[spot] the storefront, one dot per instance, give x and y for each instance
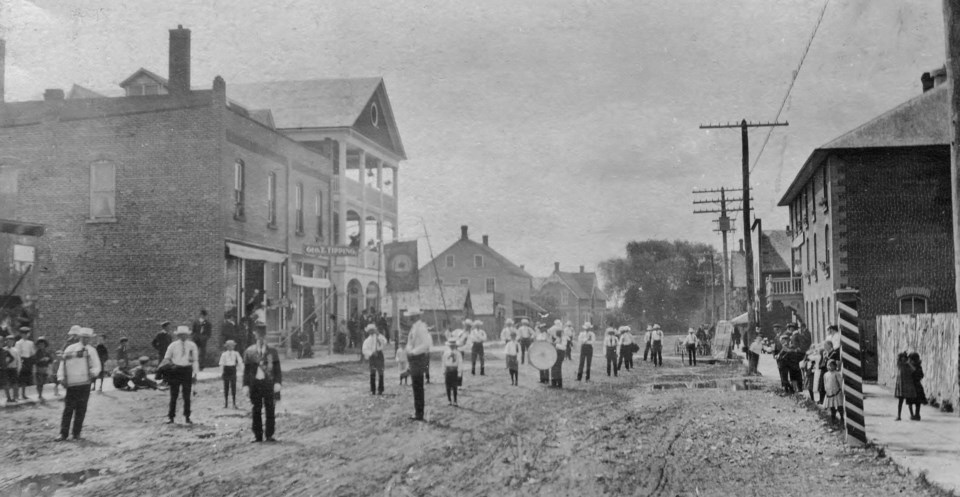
(314, 296)
(255, 280)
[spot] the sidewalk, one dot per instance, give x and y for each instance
(931, 445)
(321, 358)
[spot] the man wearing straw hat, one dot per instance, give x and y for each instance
(418, 355)
(586, 339)
(525, 333)
(610, 344)
(372, 350)
(80, 365)
(185, 357)
(656, 345)
(477, 337)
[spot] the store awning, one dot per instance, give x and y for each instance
(245, 252)
(20, 228)
(741, 319)
(310, 282)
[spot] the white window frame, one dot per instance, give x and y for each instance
(913, 303)
(110, 170)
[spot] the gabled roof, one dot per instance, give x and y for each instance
(775, 253)
(582, 285)
(77, 91)
(919, 122)
(314, 103)
(485, 250)
(456, 297)
(144, 72)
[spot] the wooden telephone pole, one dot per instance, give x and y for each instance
(723, 227)
(748, 245)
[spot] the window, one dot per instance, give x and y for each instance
(478, 261)
(151, 89)
(272, 199)
(336, 228)
(103, 190)
(815, 254)
(806, 248)
(491, 285)
(826, 196)
(564, 299)
(465, 281)
(299, 217)
(913, 304)
(238, 186)
(449, 262)
(826, 250)
(813, 202)
(318, 210)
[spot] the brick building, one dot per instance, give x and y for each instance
(871, 210)
(170, 199)
(498, 288)
(577, 296)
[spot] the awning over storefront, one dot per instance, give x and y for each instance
(741, 319)
(20, 228)
(310, 282)
(245, 252)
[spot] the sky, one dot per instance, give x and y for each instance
(563, 129)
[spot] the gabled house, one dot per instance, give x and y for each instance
(498, 287)
(871, 210)
(577, 296)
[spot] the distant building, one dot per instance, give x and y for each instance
(578, 296)
(871, 210)
(498, 287)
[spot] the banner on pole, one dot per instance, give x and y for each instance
(402, 271)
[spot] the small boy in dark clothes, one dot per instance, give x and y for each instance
(139, 375)
(914, 360)
(43, 359)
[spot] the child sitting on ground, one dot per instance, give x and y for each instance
(834, 387)
(402, 365)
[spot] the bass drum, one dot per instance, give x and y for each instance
(542, 355)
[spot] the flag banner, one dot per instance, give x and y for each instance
(403, 274)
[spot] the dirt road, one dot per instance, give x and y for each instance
(639, 434)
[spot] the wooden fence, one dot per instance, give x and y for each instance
(935, 338)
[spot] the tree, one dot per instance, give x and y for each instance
(661, 281)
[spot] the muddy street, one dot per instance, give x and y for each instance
(649, 432)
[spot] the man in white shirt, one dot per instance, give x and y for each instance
(462, 334)
(690, 342)
(185, 357)
(508, 330)
(10, 367)
(656, 345)
(646, 342)
(79, 366)
(586, 339)
(262, 376)
(477, 337)
(556, 372)
(626, 348)
(27, 350)
(525, 334)
(418, 355)
(543, 336)
(372, 350)
(833, 334)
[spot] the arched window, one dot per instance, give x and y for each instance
(913, 304)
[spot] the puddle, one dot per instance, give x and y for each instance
(206, 435)
(667, 386)
(46, 485)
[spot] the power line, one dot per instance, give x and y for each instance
(793, 80)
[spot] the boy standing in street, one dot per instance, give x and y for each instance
(452, 364)
(510, 351)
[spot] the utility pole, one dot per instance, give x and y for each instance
(951, 19)
(745, 142)
(723, 227)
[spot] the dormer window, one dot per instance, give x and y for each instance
(144, 82)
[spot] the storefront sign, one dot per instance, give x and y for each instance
(402, 272)
(330, 251)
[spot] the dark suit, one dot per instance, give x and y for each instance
(160, 343)
(201, 333)
(261, 389)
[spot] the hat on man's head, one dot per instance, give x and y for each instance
(508, 321)
(164, 324)
(413, 311)
(557, 322)
(182, 330)
(610, 330)
(467, 321)
(371, 328)
(777, 325)
(792, 326)
(587, 325)
(42, 340)
(691, 330)
(229, 342)
(656, 326)
(569, 323)
(452, 342)
(524, 321)
(25, 329)
(123, 339)
(649, 327)
(74, 330)
(144, 358)
(86, 332)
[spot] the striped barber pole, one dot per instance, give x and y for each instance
(852, 366)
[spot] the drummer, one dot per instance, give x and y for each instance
(508, 329)
(525, 333)
(542, 336)
(610, 343)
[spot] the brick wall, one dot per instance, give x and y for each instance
(898, 233)
(162, 257)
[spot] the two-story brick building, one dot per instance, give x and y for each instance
(498, 288)
(871, 210)
(170, 199)
(577, 296)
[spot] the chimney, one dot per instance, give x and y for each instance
(53, 94)
(556, 266)
(926, 82)
(741, 245)
(3, 64)
(463, 232)
(581, 269)
(179, 70)
(522, 268)
(486, 240)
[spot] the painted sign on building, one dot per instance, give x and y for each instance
(330, 250)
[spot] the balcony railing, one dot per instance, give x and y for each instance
(784, 286)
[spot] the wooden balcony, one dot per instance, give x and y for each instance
(784, 286)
